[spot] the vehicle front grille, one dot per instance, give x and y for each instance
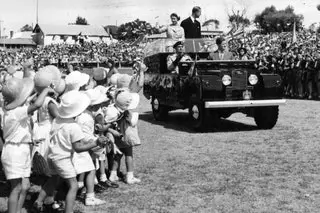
(239, 79)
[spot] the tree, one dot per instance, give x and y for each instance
(238, 20)
(273, 20)
(112, 29)
(237, 14)
(211, 22)
(81, 21)
(133, 30)
(26, 28)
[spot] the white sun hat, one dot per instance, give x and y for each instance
(111, 114)
(47, 76)
(73, 104)
(126, 100)
(75, 80)
(114, 79)
(99, 73)
(102, 89)
(96, 96)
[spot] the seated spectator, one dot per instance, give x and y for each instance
(222, 53)
(242, 52)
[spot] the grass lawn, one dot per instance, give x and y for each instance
(237, 168)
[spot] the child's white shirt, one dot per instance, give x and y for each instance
(64, 133)
(16, 125)
(86, 121)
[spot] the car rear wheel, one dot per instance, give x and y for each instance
(266, 117)
(198, 116)
(160, 112)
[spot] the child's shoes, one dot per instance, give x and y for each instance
(114, 177)
(130, 179)
(92, 201)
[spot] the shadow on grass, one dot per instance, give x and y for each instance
(179, 121)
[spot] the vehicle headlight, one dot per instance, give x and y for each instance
(226, 80)
(253, 79)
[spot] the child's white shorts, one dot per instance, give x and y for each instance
(83, 162)
(16, 160)
(64, 168)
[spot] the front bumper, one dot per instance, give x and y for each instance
(246, 103)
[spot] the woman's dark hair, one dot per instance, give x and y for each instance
(175, 15)
(242, 48)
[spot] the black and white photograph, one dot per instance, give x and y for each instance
(159, 106)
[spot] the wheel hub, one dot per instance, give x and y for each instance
(195, 112)
(156, 104)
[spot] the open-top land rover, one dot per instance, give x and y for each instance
(213, 90)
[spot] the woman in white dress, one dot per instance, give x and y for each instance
(174, 31)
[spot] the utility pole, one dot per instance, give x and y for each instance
(0, 28)
(4, 38)
(37, 21)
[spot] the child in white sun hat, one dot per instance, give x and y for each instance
(132, 83)
(67, 138)
(75, 80)
(98, 116)
(46, 77)
(17, 133)
(128, 136)
(82, 161)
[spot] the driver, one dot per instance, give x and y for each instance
(174, 59)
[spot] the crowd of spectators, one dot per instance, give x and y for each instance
(121, 52)
(295, 57)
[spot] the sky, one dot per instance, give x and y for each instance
(16, 13)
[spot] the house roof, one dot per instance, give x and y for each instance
(17, 41)
(26, 34)
(72, 30)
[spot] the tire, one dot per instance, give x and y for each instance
(160, 112)
(198, 116)
(225, 114)
(266, 117)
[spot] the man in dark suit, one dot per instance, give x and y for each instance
(192, 27)
(222, 53)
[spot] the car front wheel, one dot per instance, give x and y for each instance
(160, 112)
(266, 117)
(198, 116)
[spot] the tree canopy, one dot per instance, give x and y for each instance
(26, 28)
(134, 29)
(81, 21)
(273, 20)
(238, 20)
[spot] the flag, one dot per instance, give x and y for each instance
(294, 35)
